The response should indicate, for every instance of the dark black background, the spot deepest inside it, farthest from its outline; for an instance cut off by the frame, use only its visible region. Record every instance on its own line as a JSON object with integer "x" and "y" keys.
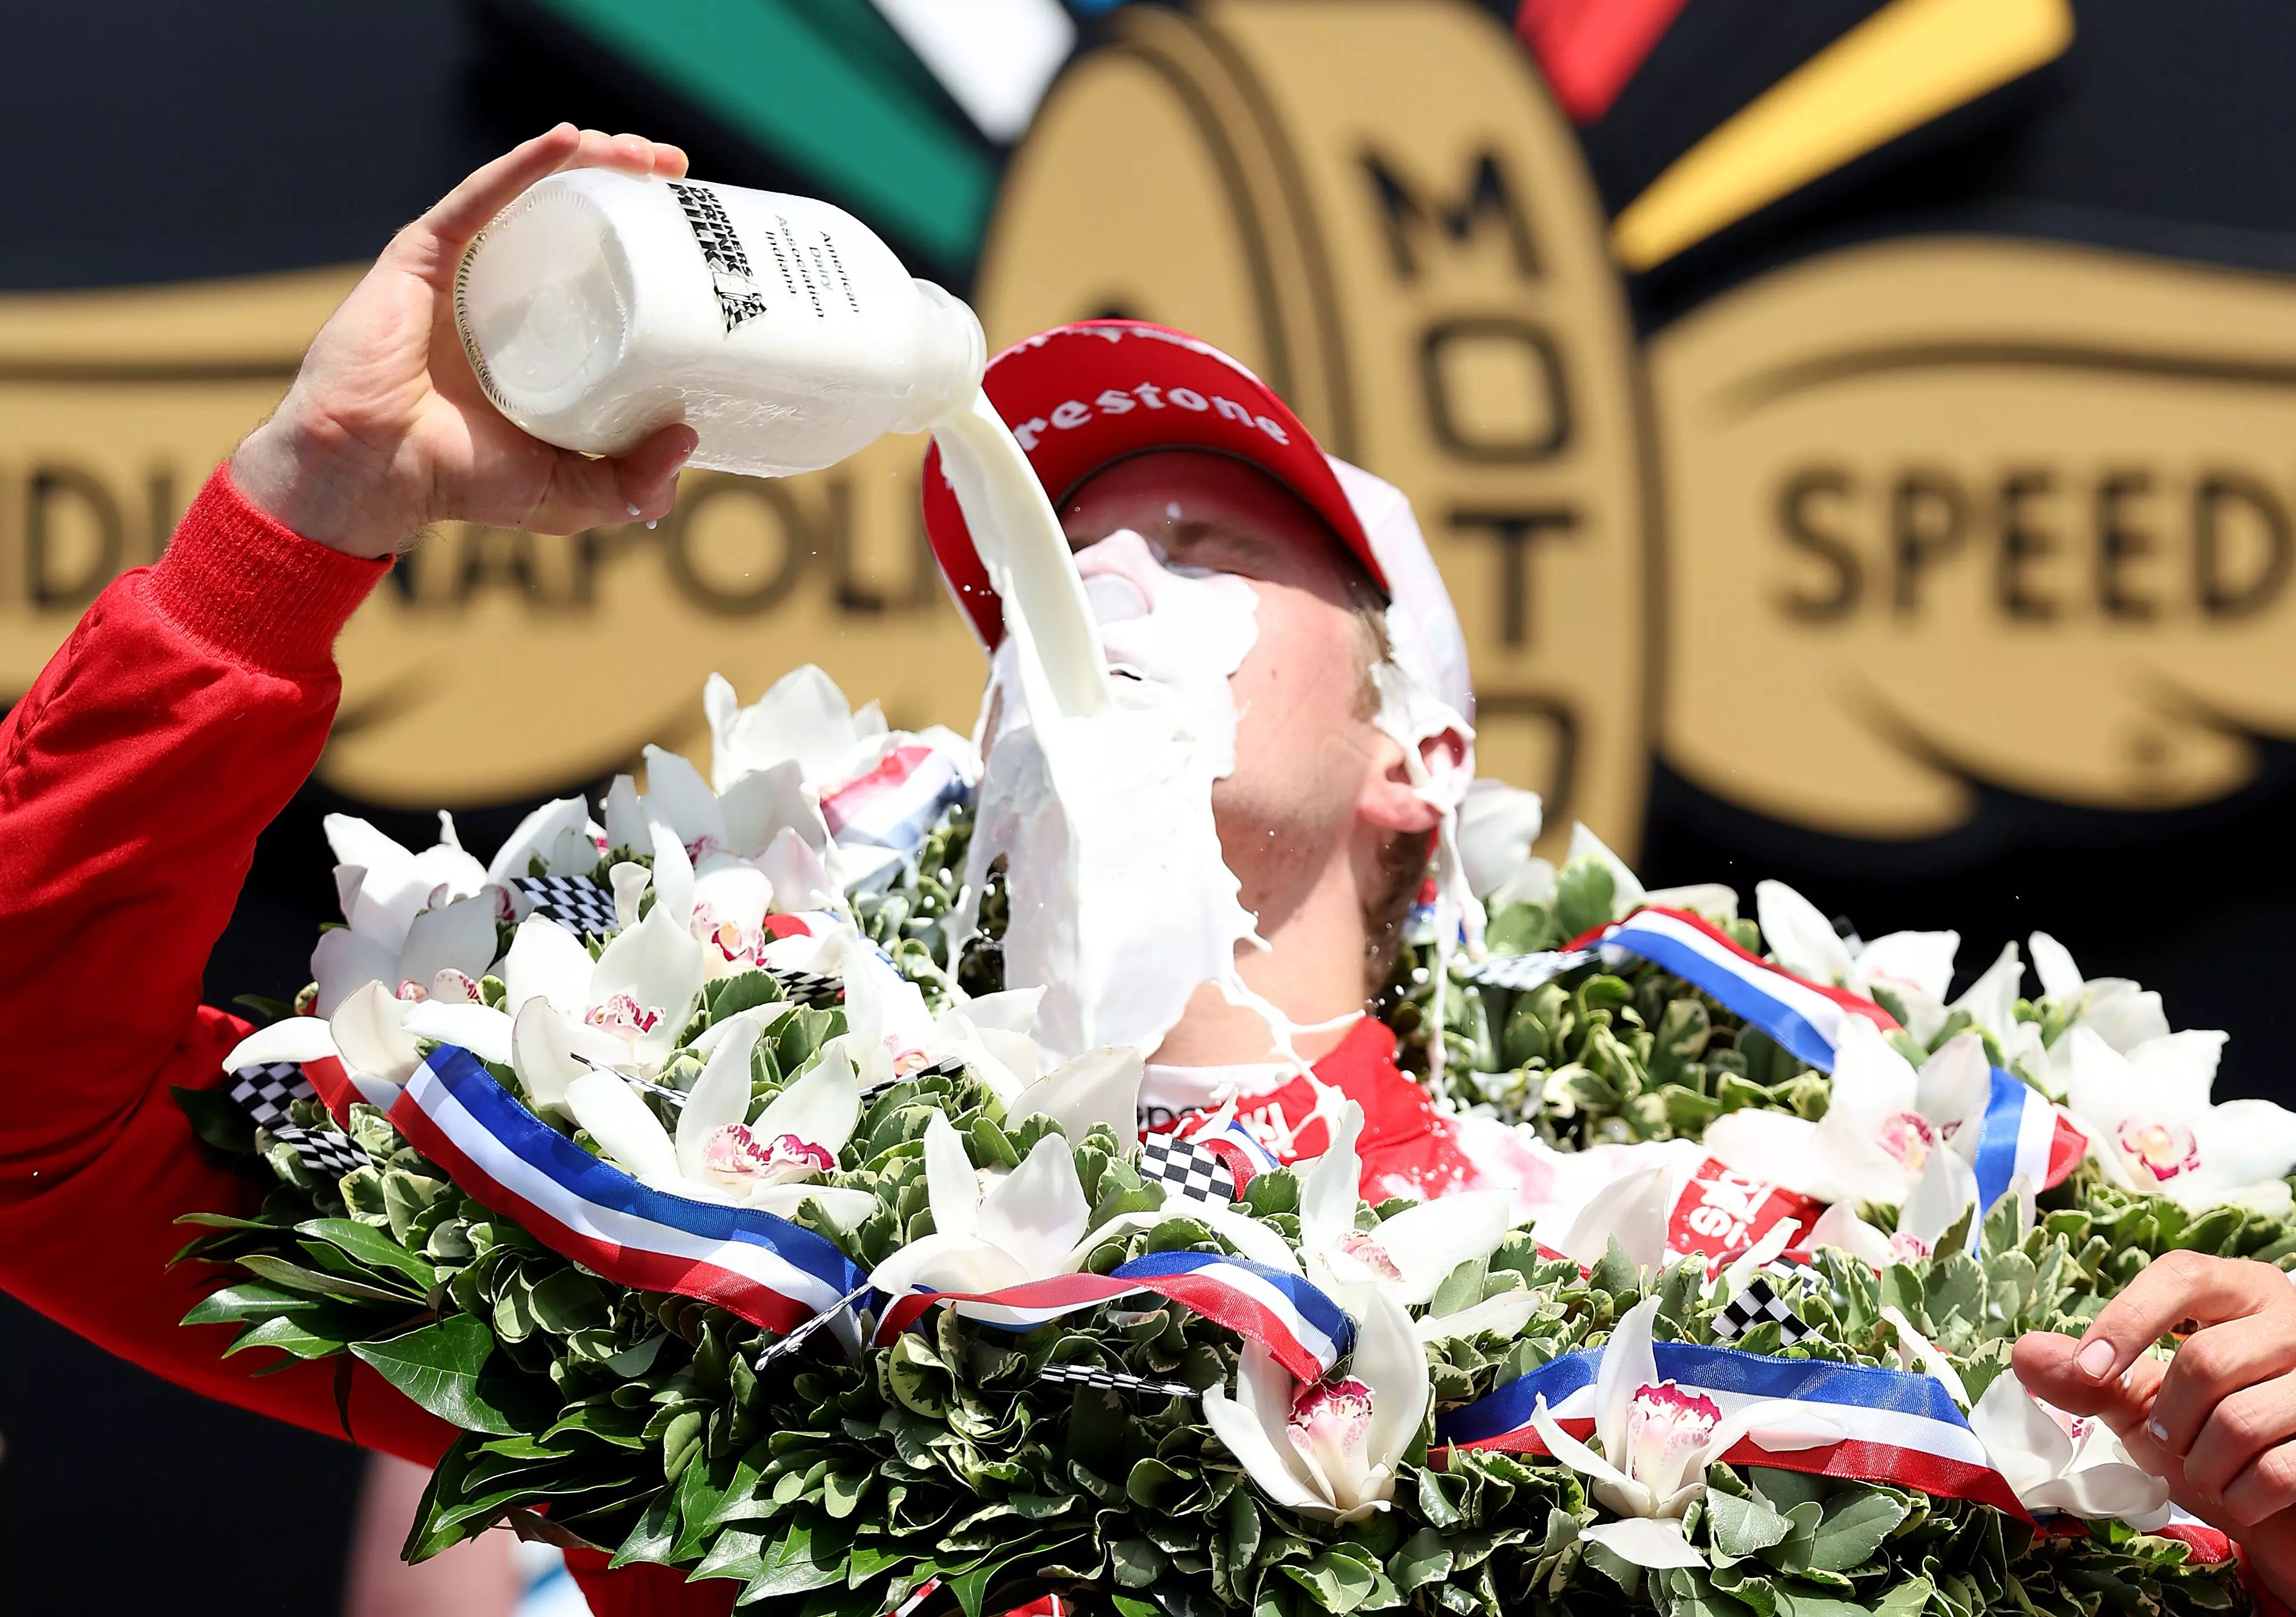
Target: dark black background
{"x": 152, "y": 142}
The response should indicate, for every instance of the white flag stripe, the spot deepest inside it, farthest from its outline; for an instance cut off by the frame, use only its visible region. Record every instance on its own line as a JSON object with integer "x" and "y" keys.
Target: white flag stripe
{"x": 1822, "y": 1014}
{"x": 2037, "y": 1131}
{"x": 523, "y": 1180}
{"x": 1274, "y": 1302}
{"x": 1861, "y": 1423}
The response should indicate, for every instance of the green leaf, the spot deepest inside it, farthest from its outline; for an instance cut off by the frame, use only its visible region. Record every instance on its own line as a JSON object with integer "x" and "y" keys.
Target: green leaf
{"x": 1739, "y": 1527}
{"x": 371, "y": 1248}
{"x": 443, "y": 1368}
{"x": 217, "y": 1119}
{"x": 810, "y": 1555}
{"x": 1340, "y": 1582}
{"x": 249, "y": 1301}
{"x": 1424, "y": 1558}
{"x": 1854, "y": 1528}
{"x": 570, "y": 1300}
{"x": 1907, "y": 1599}
{"x": 1586, "y": 896}
{"x": 294, "y": 1277}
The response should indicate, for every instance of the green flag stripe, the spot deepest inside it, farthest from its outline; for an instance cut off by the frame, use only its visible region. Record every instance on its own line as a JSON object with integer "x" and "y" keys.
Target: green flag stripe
{"x": 762, "y": 69}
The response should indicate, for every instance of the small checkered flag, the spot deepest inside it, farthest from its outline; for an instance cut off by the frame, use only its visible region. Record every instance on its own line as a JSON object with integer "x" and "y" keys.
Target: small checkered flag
{"x": 1521, "y": 973}
{"x": 1114, "y": 1381}
{"x": 809, "y": 988}
{"x": 322, "y": 1150}
{"x": 1759, "y": 1302}
{"x": 1186, "y": 1168}
{"x": 576, "y": 903}
{"x": 265, "y": 1092}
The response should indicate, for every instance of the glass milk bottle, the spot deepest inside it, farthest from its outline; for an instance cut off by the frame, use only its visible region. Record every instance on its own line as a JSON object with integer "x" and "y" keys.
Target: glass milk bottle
{"x": 599, "y": 306}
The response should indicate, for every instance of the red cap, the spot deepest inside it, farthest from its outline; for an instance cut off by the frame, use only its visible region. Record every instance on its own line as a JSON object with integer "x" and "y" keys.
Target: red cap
{"x": 1082, "y": 398}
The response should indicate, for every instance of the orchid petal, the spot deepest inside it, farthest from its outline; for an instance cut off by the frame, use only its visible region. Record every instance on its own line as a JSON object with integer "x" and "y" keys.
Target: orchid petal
{"x": 2123, "y": 1015}
{"x": 1991, "y": 1000}
{"x": 1012, "y": 1011}
{"x": 1575, "y": 1454}
{"x": 290, "y": 1039}
{"x": 1038, "y": 1212}
{"x": 459, "y": 937}
{"x": 756, "y": 1018}
{"x": 673, "y": 875}
{"x": 1742, "y": 1269}
{"x": 718, "y": 1099}
{"x": 2061, "y": 979}
{"x": 624, "y": 1128}
{"x": 1717, "y": 902}
{"x": 345, "y": 961}
{"x": 2018, "y": 1434}
{"x": 1633, "y": 1211}
{"x": 542, "y": 1054}
{"x": 1627, "y": 1363}
{"x": 369, "y": 1029}
{"x": 1329, "y": 1186}
{"x": 884, "y": 1012}
{"x": 1252, "y": 1425}
{"x": 657, "y": 964}
{"x": 1920, "y": 1354}
{"x": 1955, "y": 1082}
{"x": 941, "y": 1262}
{"x": 1839, "y": 1227}
{"x": 1652, "y": 1542}
{"x": 1778, "y": 1427}
{"x": 1916, "y": 965}
{"x": 730, "y": 889}
{"x": 629, "y": 880}
{"x": 763, "y": 803}
{"x": 2113, "y": 1488}
{"x": 820, "y": 1106}
{"x": 1389, "y": 1360}
{"x": 1800, "y": 937}
{"x": 537, "y": 836}
{"x": 479, "y": 1029}
{"x": 952, "y": 1190}
{"x": 1773, "y": 1147}
{"x": 677, "y": 797}
{"x": 546, "y": 961}
{"x": 1502, "y": 1316}
{"x": 1945, "y": 1188}
{"x": 803, "y": 716}
{"x": 1497, "y": 824}
{"x": 1101, "y": 1086}
{"x": 802, "y": 881}
{"x": 626, "y": 826}
{"x": 1426, "y": 1242}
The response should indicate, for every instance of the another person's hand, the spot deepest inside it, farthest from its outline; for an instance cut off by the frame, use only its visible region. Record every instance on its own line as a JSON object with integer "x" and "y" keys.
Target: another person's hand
{"x": 2218, "y": 1420}
{"x": 386, "y": 429}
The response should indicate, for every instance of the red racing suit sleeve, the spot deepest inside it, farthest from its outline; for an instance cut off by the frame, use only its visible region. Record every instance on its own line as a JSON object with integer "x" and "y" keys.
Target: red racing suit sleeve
{"x": 179, "y": 718}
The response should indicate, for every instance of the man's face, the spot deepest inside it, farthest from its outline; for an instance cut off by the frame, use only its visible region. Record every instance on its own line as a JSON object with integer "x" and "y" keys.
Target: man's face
{"x": 1305, "y": 742}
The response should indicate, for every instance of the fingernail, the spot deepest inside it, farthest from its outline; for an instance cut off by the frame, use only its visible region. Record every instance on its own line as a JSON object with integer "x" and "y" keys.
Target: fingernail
{"x": 2159, "y": 1432}
{"x": 2097, "y": 1358}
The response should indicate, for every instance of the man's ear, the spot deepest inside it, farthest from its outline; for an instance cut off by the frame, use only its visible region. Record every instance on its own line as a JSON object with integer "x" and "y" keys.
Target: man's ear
{"x": 1391, "y": 798}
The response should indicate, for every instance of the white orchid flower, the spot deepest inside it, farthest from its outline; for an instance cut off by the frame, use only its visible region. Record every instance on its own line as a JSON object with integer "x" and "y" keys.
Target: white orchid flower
{"x": 1991, "y": 1000}
{"x": 1945, "y": 1188}
{"x": 718, "y": 1153}
{"x": 1657, "y": 1443}
{"x": 2056, "y": 1461}
{"x": 1711, "y": 899}
{"x": 641, "y": 990}
{"x": 2151, "y": 1128}
{"x": 2116, "y": 1009}
{"x": 1329, "y": 1449}
{"x": 1497, "y": 824}
{"x": 560, "y": 833}
{"x": 1406, "y": 1257}
{"x": 804, "y": 719}
{"x": 1631, "y": 1209}
{"x": 1025, "y": 1225}
{"x": 421, "y": 924}
{"x": 1883, "y": 1122}
{"x": 1915, "y": 966}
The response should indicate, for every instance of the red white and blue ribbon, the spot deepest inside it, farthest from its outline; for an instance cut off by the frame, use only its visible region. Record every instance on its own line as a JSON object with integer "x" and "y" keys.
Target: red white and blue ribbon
{"x": 1804, "y": 1017}
{"x": 1306, "y": 1331}
{"x": 2022, "y": 1133}
{"x": 765, "y": 1268}
{"x": 1903, "y": 1429}
{"x": 897, "y": 803}
{"x": 1236, "y": 1150}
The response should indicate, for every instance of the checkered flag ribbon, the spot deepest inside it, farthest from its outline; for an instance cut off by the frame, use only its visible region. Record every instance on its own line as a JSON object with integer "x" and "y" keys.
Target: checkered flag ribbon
{"x": 1759, "y": 1302}
{"x": 1523, "y": 972}
{"x": 265, "y": 1092}
{"x": 1115, "y": 1380}
{"x": 1186, "y": 1168}
{"x": 576, "y": 903}
{"x": 322, "y": 1150}
{"x": 809, "y": 988}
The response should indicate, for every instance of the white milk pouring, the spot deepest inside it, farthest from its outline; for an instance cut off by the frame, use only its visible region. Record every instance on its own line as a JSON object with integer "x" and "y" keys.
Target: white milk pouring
{"x": 599, "y": 306}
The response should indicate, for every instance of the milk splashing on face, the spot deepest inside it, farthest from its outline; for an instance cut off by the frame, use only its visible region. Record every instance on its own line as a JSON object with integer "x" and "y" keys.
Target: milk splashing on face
{"x": 1097, "y": 789}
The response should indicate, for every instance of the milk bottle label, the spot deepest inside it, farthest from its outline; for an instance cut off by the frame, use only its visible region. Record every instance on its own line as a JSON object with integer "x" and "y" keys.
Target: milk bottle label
{"x": 738, "y": 298}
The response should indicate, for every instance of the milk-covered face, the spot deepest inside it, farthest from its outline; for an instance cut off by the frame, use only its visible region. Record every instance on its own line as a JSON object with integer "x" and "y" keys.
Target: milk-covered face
{"x": 1309, "y": 760}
